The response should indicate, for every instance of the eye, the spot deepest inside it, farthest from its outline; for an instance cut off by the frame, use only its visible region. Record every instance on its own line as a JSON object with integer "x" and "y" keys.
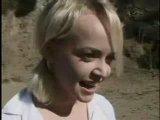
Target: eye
{"x": 87, "y": 54}
{"x": 110, "y": 58}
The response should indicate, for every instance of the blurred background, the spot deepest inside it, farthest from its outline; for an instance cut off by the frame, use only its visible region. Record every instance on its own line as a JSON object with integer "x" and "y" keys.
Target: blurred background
{"x": 135, "y": 95}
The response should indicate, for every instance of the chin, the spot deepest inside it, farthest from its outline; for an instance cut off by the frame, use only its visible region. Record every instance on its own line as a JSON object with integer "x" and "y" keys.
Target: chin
{"x": 84, "y": 95}
{"x": 85, "y": 98}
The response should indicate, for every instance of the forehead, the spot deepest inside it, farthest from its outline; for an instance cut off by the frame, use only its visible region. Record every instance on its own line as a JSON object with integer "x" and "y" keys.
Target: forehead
{"x": 88, "y": 24}
{"x": 89, "y": 31}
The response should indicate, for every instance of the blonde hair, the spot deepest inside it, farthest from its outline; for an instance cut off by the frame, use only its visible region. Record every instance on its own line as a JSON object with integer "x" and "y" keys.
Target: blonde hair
{"x": 56, "y": 21}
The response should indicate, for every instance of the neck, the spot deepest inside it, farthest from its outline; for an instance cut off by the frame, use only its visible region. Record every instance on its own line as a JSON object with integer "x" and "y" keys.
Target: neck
{"x": 58, "y": 101}
{"x": 63, "y": 109}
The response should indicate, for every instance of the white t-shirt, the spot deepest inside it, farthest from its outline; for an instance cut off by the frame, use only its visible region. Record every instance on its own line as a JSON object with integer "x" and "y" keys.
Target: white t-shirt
{"x": 21, "y": 107}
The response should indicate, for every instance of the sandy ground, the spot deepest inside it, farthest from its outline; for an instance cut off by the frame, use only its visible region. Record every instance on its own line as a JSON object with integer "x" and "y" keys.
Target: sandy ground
{"x": 135, "y": 95}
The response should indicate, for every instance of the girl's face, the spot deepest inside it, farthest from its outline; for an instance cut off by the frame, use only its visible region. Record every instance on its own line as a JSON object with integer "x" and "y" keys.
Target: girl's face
{"x": 81, "y": 63}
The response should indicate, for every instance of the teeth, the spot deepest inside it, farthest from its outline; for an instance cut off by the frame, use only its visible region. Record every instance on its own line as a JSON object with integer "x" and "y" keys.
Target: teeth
{"x": 87, "y": 84}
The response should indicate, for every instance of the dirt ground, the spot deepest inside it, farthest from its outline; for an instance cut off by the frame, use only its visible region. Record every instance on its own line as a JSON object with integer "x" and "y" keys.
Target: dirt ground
{"x": 135, "y": 95}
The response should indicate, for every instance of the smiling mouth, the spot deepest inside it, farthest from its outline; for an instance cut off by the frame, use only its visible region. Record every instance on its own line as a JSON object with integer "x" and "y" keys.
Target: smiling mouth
{"x": 87, "y": 84}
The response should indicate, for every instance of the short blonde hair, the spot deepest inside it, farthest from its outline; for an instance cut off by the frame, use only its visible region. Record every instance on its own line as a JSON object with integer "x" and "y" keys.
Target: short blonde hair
{"x": 56, "y": 22}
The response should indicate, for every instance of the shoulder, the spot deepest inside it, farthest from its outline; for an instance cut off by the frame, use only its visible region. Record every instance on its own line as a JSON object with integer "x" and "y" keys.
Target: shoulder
{"x": 15, "y": 106}
{"x": 102, "y": 107}
{"x": 18, "y": 102}
{"x": 20, "y": 106}
{"x": 102, "y": 102}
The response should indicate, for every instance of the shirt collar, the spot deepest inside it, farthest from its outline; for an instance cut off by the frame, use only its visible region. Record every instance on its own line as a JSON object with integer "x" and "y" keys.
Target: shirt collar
{"x": 22, "y": 104}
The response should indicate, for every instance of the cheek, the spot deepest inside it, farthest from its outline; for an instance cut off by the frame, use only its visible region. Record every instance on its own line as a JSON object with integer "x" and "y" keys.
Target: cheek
{"x": 72, "y": 69}
{"x": 80, "y": 68}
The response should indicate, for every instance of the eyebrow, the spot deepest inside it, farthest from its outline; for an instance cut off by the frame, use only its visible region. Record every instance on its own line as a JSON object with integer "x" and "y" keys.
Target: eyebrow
{"x": 89, "y": 48}
{"x": 95, "y": 50}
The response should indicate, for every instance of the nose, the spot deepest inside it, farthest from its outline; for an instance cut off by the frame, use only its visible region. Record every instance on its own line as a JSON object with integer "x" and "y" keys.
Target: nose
{"x": 100, "y": 72}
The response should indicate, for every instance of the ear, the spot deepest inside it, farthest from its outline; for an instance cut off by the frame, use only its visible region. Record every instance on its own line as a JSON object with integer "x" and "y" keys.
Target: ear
{"x": 48, "y": 52}
{"x": 50, "y": 65}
